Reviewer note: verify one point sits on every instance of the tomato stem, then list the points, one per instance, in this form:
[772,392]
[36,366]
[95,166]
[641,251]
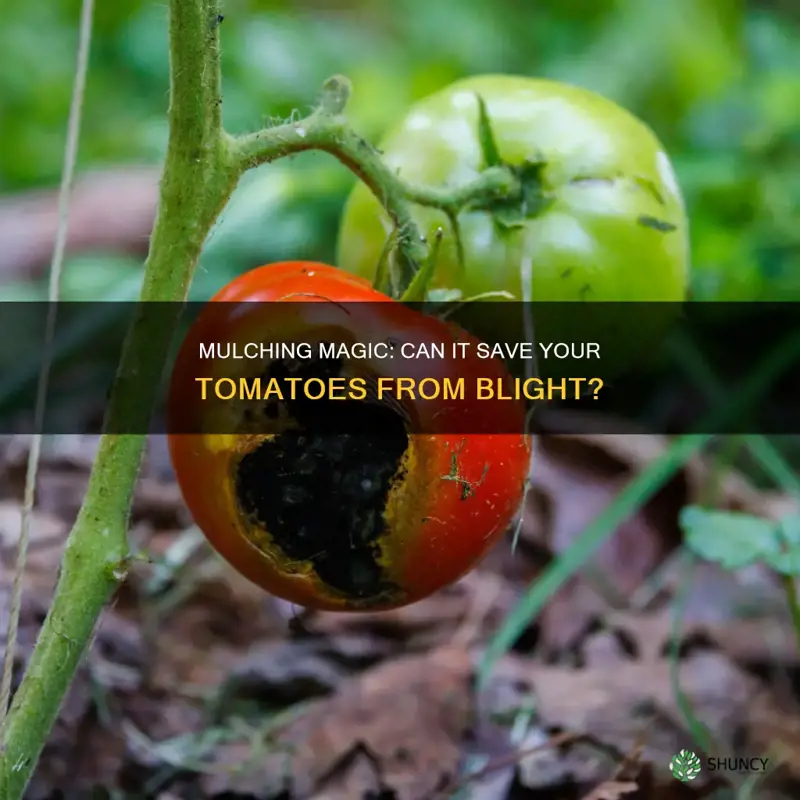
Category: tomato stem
[199,176]
[326,129]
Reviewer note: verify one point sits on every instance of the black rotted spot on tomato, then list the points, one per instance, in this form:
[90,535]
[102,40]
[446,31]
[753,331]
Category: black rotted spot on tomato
[320,491]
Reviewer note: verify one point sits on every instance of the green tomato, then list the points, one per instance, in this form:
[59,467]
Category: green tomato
[608,222]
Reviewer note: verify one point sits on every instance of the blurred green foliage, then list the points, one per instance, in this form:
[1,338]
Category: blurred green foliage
[718,80]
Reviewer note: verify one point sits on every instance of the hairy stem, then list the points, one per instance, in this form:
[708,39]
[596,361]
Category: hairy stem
[197,180]
[326,129]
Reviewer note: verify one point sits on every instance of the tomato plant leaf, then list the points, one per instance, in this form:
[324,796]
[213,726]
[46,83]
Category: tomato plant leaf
[417,290]
[731,539]
[382,279]
[491,155]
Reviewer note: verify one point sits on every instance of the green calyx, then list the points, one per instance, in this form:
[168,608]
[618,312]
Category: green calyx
[529,200]
[509,213]
[511,194]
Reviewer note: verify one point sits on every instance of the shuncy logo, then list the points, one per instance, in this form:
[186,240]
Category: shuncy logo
[685,766]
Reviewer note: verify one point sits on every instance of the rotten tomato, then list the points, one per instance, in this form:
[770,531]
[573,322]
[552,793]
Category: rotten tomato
[351,502]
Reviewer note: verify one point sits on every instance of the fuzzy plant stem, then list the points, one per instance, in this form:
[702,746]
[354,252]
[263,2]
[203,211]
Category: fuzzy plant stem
[202,167]
[198,177]
[327,129]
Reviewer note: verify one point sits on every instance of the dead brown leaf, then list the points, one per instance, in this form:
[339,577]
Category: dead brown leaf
[397,726]
[611,790]
[47,534]
[624,696]
[479,601]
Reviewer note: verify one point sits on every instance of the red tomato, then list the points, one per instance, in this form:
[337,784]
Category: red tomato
[345,504]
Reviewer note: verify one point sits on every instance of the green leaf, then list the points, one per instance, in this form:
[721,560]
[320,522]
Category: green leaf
[787,561]
[417,290]
[491,155]
[731,539]
[790,530]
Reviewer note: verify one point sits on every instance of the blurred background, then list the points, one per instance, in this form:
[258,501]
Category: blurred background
[718,80]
